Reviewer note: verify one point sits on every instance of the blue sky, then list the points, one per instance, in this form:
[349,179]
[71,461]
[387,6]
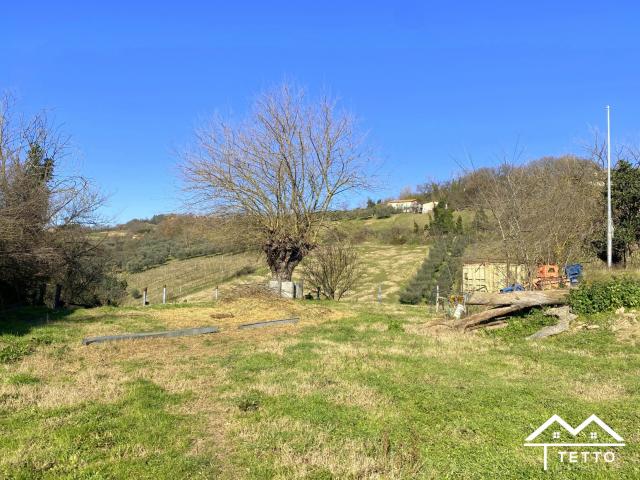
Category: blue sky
[432,82]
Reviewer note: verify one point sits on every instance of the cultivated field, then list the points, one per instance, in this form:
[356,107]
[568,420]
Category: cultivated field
[353,390]
[194,280]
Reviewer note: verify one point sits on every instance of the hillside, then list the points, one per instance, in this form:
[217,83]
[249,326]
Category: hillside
[390,252]
[195,279]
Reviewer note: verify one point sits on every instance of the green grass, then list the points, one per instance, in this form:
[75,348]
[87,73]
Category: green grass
[375,394]
[102,440]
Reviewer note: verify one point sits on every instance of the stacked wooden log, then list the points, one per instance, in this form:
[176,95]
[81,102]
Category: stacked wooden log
[503,304]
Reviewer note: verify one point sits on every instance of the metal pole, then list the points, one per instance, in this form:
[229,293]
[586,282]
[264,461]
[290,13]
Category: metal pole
[437,297]
[164,294]
[609,212]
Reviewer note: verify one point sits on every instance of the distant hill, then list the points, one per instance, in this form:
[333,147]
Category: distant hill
[191,255]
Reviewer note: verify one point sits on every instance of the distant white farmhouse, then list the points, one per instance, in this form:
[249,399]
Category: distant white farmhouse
[406,205]
[428,207]
[411,205]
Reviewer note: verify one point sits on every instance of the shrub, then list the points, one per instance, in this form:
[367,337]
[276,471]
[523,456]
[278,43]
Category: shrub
[606,295]
[383,211]
[332,268]
[135,293]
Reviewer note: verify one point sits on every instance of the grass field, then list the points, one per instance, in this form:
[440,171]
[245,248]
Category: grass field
[353,390]
[387,266]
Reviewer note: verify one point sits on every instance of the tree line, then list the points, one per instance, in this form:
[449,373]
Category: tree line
[47,254]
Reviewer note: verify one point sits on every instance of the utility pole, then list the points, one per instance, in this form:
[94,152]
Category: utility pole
[609,213]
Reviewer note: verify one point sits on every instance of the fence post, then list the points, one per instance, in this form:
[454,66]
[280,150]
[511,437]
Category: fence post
[144,297]
[379,293]
[164,294]
[215,293]
[437,297]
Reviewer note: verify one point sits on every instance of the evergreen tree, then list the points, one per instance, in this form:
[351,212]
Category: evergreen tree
[442,220]
[480,221]
[625,204]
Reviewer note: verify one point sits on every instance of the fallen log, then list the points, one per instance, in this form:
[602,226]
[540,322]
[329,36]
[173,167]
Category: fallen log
[507,303]
[185,332]
[565,317]
[477,319]
[267,323]
[524,299]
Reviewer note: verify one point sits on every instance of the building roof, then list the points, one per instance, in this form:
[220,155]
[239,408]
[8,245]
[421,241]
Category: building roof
[404,200]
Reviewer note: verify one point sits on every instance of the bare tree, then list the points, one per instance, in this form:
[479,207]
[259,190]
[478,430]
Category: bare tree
[37,205]
[545,211]
[282,168]
[333,268]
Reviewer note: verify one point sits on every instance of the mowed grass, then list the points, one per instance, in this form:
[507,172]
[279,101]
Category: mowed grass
[351,391]
[388,267]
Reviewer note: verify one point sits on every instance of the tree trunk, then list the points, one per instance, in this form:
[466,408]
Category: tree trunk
[57,303]
[507,303]
[523,299]
[565,317]
[477,320]
[283,259]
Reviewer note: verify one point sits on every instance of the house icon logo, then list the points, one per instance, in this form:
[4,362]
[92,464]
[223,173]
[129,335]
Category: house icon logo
[594,439]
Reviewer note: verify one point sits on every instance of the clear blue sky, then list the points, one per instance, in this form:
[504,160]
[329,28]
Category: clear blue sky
[429,80]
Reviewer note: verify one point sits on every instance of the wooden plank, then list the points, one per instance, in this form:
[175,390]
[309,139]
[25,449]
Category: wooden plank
[267,323]
[185,332]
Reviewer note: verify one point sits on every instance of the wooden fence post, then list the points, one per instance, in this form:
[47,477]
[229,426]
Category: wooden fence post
[164,294]
[144,297]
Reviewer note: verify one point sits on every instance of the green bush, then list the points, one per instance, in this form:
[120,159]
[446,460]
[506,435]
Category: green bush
[606,295]
[383,211]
